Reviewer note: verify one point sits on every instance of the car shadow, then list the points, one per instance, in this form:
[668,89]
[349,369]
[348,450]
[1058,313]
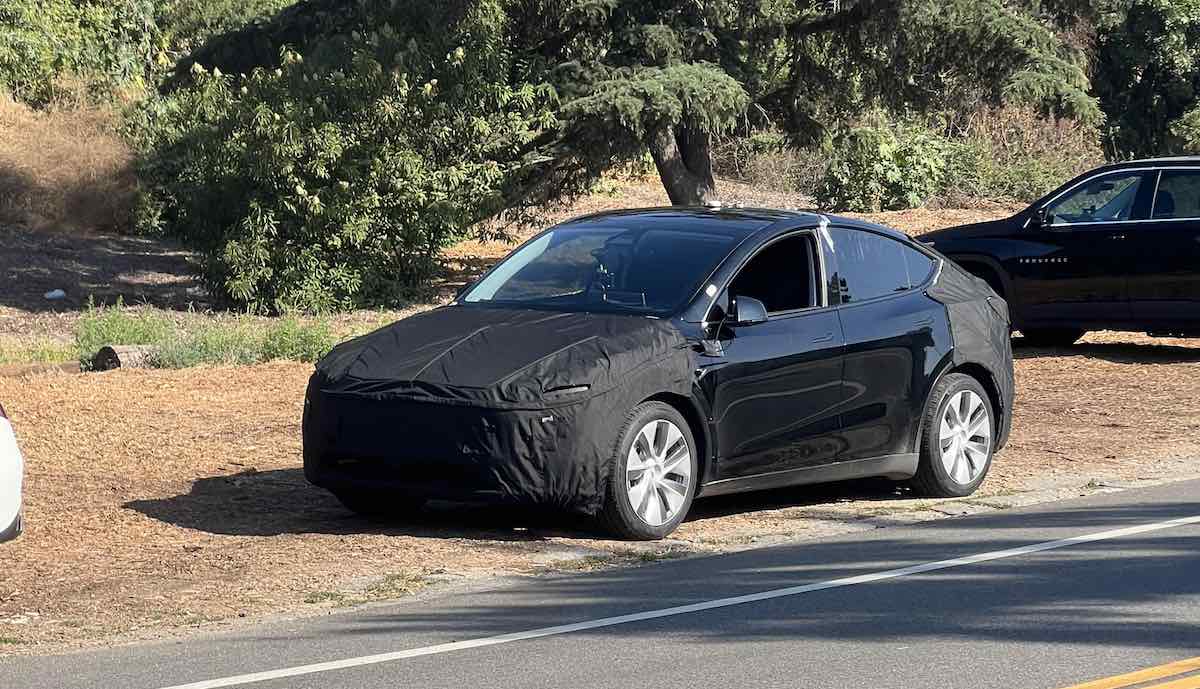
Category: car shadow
[281,501]
[1115,352]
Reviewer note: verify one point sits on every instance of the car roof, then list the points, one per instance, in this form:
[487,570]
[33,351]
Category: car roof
[730,220]
[1167,161]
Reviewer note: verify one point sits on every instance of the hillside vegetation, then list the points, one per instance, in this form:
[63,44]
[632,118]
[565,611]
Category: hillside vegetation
[319,155]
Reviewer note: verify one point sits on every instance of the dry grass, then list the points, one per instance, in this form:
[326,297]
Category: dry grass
[159,500]
[64,167]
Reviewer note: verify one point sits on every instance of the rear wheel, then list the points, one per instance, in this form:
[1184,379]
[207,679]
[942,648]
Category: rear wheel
[1051,337]
[379,505]
[958,441]
[654,474]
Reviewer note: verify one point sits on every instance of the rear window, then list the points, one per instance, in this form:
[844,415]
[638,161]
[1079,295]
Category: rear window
[869,265]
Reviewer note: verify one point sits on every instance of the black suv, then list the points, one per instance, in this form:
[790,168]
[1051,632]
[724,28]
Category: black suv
[1116,248]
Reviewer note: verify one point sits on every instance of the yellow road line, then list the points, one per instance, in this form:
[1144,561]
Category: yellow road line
[1189,682]
[1141,676]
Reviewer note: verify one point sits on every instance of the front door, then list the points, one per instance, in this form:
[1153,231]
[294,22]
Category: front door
[1163,257]
[1073,271]
[775,387]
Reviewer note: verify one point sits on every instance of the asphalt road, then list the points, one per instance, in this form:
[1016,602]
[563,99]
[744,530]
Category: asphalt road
[1037,598]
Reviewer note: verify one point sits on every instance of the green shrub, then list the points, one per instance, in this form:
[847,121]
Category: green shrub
[195,341]
[336,184]
[102,326]
[876,167]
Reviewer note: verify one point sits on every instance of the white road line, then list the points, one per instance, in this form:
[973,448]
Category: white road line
[250,678]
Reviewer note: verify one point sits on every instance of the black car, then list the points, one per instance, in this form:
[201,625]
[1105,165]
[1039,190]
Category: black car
[621,364]
[1117,248]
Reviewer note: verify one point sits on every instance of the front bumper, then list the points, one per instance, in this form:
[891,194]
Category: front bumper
[447,450]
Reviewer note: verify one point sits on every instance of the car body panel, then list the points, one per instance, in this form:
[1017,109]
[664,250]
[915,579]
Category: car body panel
[12,469]
[773,403]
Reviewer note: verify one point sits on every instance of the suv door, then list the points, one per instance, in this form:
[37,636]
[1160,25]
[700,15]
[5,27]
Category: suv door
[1163,256]
[895,339]
[1073,271]
[775,386]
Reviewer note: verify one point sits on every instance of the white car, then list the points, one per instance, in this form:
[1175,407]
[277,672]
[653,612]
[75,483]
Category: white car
[12,468]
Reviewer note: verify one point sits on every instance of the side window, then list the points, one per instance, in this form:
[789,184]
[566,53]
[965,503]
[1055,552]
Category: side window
[781,276]
[870,265]
[920,267]
[1178,195]
[1105,199]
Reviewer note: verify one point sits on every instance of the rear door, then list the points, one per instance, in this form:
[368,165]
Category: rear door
[895,337]
[1075,265]
[1164,256]
[775,387]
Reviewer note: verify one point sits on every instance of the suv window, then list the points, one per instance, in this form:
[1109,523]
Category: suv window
[871,265]
[1178,195]
[1105,199]
[781,276]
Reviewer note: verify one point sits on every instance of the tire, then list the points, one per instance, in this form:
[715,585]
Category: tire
[667,491]
[942,475]
[1050,337]
[379,506]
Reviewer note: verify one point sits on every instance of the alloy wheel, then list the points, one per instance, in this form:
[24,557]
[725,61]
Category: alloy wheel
[965,437]
[658,472]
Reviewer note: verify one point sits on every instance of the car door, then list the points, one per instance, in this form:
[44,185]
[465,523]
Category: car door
[1164,256]
[895,339]
[775,386]
[1073,268]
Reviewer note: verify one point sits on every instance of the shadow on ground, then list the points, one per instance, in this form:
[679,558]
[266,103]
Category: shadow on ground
[1078,595]
[101,266]
[1115,352]
[281,501]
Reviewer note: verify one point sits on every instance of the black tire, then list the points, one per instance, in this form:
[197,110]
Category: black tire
[378,505]
[619,516]
[1050,337]
[933,479]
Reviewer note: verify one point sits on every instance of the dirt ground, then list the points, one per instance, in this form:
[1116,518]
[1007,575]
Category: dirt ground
[166,500]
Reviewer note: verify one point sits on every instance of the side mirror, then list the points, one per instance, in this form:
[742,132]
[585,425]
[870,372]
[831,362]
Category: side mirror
[747,311]
[1041,217]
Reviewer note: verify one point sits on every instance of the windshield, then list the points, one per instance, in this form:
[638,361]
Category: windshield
[652,271]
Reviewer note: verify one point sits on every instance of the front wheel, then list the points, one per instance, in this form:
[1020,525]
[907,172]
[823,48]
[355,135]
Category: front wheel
[957,443]
[1051,337]
[654,474]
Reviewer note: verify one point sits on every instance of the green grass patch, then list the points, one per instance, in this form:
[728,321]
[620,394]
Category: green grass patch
[36,352]
[197,341]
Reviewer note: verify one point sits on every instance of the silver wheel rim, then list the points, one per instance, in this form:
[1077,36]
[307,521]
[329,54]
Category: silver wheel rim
[658,472]
[966,437]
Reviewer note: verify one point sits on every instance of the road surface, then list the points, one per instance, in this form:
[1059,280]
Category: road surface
[1040,598]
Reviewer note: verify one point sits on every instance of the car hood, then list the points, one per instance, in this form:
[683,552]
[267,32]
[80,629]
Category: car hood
[498,356]
[979,230]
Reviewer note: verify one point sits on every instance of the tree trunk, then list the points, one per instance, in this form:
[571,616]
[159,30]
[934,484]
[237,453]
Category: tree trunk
[118,356]
[684,161]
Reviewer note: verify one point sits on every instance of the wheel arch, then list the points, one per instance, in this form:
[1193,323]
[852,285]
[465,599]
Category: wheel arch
[691,413]
[986,265]
[985,379]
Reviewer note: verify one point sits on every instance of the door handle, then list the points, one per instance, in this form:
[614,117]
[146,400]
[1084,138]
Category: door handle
[1116,236]
[928,320]
[827,337]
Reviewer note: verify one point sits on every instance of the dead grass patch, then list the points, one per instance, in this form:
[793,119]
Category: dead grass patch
[64,167]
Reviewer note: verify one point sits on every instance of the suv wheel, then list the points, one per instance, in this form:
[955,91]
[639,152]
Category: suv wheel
[957,445]
[1051,337]
[654,474]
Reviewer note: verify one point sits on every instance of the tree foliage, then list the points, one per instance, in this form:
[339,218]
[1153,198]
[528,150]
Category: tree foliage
[315,188]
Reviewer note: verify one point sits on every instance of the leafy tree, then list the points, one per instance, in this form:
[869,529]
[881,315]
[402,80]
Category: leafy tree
[666,77]
[1147,76]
